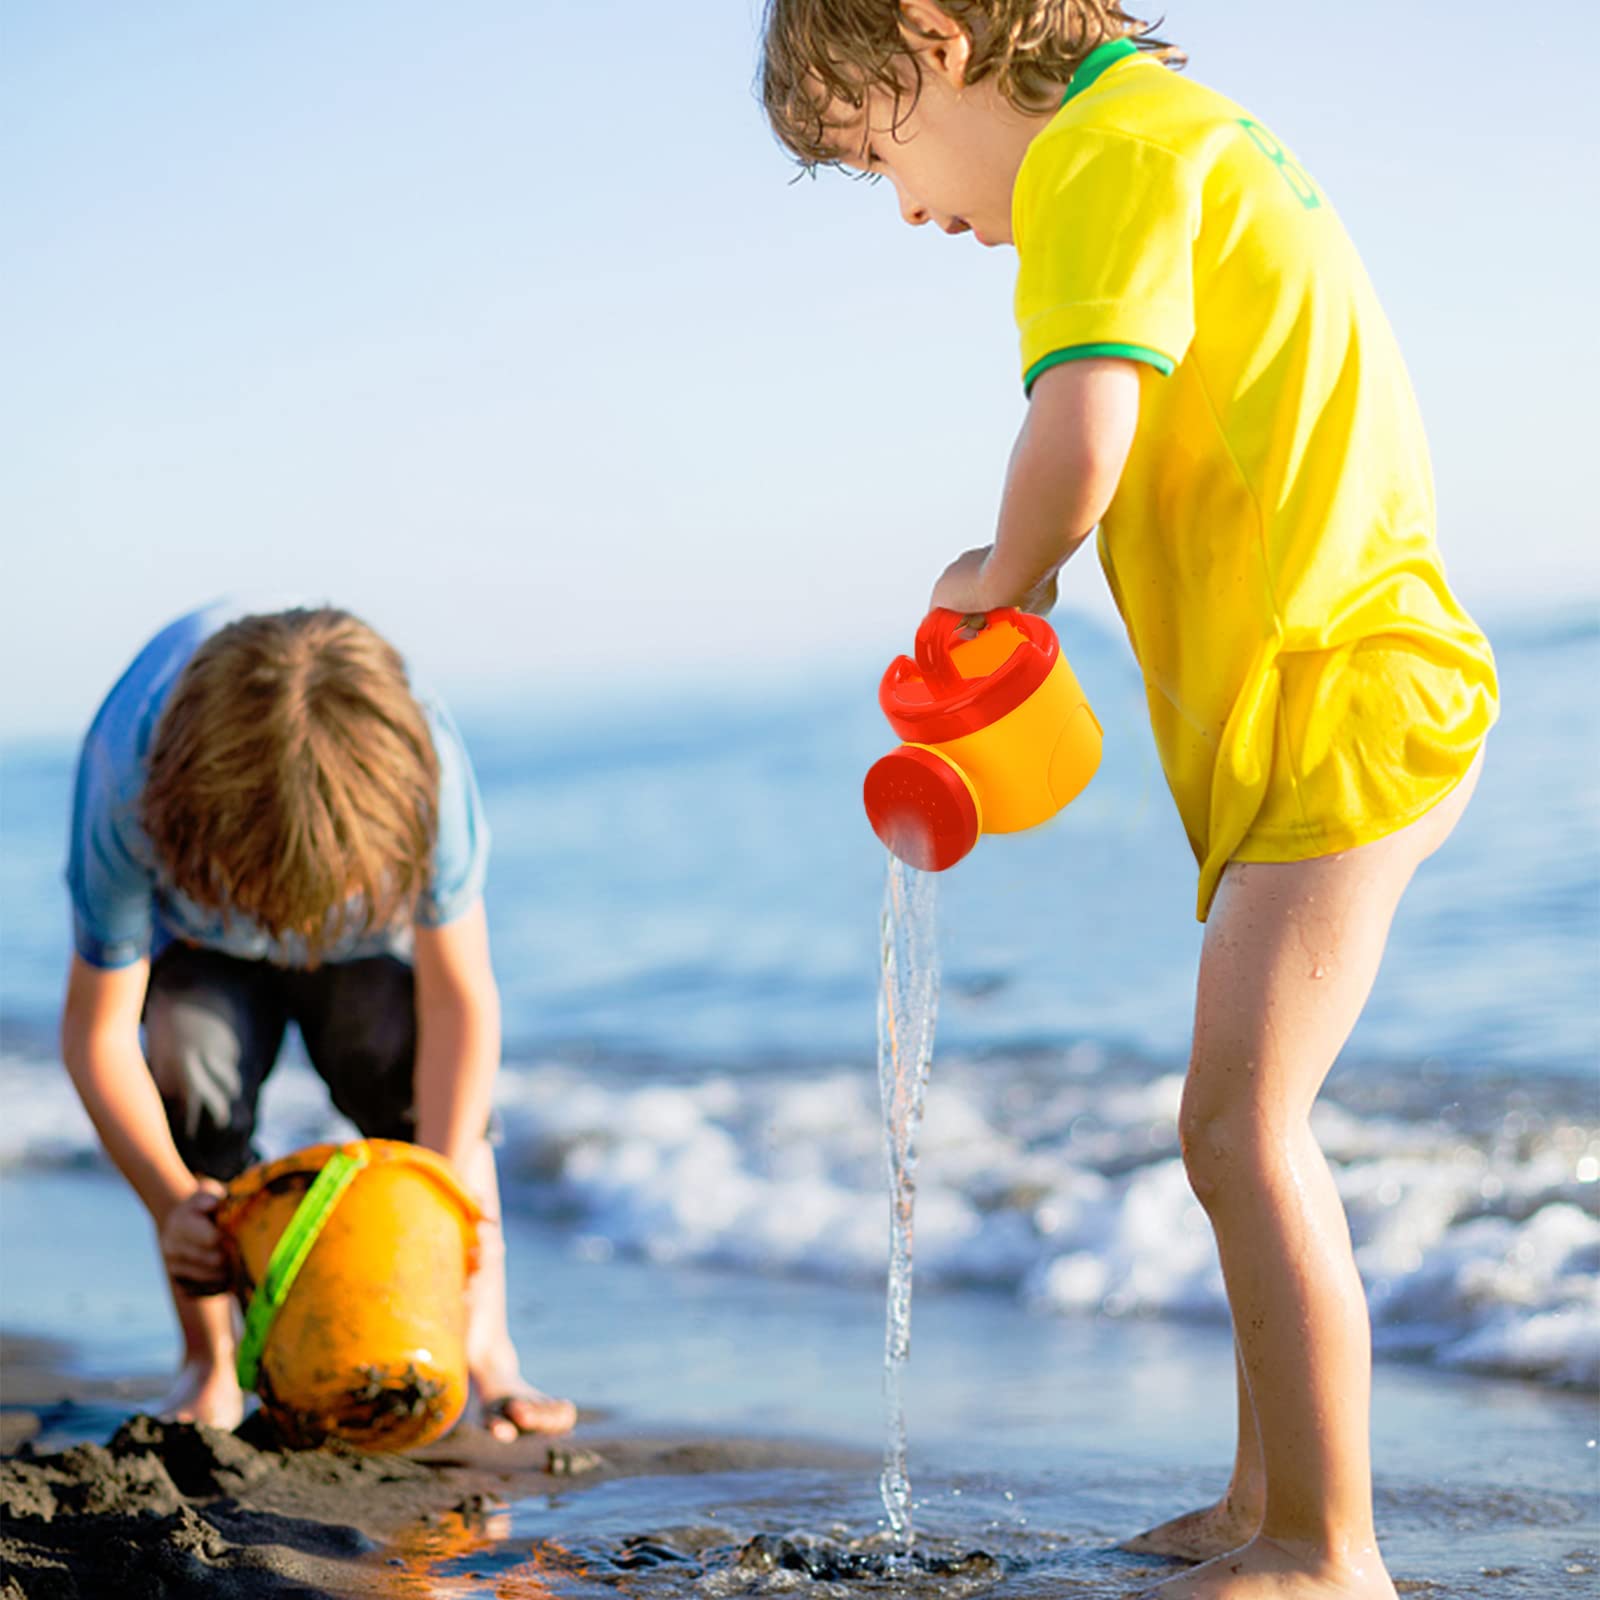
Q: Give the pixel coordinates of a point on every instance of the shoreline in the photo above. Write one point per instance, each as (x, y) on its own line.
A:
(716, 1508)
(178, 1509)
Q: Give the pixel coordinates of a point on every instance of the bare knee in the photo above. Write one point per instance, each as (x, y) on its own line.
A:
(1232, 1149)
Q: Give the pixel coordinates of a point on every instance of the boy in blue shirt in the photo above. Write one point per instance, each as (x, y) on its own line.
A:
(270, 827)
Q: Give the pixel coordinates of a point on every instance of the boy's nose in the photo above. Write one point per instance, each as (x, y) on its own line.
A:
(910, 211)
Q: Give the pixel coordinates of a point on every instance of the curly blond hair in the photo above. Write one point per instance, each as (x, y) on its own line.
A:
(819, 55)
(293, 779)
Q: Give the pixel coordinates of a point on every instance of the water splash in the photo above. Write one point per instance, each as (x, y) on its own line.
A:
(908, 1006)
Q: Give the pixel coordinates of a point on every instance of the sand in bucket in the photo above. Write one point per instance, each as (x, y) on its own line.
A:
(355, 1329)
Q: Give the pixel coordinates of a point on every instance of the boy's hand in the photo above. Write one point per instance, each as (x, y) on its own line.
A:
(191, 1243)
(967, 587)
(962, 587)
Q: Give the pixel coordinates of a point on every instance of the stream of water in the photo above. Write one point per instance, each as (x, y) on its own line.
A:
(908, 1007)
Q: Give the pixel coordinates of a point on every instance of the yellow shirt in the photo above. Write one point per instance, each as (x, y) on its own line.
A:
(1312, 681)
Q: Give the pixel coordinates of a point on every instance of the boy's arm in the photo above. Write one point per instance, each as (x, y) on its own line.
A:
(100, 1046)
(458, 1034)
(1065, 467)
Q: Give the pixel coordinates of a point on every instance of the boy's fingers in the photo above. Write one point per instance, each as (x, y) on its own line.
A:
(203, 1228)
(194, 1260)
(193, 1256)
(206, 1246)
(201, 1243)
(197, 1236)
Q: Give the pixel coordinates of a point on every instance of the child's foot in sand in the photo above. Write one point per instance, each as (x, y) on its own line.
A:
(1200, 1535)
(1266, 1569)
(204, 1391)
(525, 1409)
(511, 1406)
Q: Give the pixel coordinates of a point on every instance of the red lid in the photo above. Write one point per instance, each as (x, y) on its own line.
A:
(922, 808)
(957, 686)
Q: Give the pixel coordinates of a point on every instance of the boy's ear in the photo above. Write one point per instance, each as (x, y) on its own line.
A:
(940, 42)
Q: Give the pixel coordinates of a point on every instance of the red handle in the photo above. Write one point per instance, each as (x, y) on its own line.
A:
(939, 628)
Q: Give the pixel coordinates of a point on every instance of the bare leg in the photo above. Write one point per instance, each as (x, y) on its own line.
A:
(1289, 958)
(205, 1389)
(511, 1404)
(1234, 1519)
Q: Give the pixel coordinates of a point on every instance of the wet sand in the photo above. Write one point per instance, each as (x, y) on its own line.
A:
(176, 1510)
(1490, 1492)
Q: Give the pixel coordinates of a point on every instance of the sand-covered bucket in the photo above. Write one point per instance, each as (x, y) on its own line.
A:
(352, 1264)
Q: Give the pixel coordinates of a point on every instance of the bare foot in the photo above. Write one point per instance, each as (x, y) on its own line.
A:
(1200, 1535)
(511, 1406)
(204, 1391)
(527, 1410)
(1266, 1569)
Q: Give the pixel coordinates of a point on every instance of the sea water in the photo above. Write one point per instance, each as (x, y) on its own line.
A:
(908, 1007)
(693, 1151)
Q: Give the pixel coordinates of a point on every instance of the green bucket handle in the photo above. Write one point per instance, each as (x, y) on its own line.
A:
(289, 1255)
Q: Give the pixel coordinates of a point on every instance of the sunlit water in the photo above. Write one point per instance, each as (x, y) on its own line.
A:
(1039, 1441)
(693, 1157)
(790, 1532)
(908, 1006)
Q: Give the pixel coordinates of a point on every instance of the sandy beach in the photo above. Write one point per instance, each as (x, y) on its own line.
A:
(176, 1510)
(138, 1508)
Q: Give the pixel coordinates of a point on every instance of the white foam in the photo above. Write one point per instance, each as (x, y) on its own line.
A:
(44, 1120)
(1048, 1181)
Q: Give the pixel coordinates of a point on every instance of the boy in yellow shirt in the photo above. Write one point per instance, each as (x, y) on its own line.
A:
(1212, 382)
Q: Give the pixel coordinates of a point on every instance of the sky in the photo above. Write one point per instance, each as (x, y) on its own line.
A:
(504, 325)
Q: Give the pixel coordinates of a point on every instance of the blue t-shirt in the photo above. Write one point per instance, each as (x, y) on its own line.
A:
(124, 907)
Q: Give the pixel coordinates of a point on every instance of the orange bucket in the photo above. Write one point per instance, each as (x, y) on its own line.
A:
(352, 1264)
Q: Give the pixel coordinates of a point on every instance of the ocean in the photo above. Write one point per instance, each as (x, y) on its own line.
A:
(683, 903)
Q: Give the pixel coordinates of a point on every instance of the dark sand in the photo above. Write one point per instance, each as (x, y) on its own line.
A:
(175, 1510)
(162, 1510)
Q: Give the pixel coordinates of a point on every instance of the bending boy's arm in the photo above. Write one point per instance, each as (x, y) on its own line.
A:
(100, 1046)
(1064, 470)
(458, 1034)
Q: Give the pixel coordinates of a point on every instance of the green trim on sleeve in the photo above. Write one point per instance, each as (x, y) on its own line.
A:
(1083, 352)
(1102, 56)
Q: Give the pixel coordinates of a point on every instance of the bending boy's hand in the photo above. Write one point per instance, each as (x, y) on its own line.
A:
(961, 586)
(964, 588)
(191, 1242)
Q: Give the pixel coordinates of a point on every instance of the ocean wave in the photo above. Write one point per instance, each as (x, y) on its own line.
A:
(1055, 1179)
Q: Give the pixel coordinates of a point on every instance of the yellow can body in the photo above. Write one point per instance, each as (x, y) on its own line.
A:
(1036, 759)
(998, 737)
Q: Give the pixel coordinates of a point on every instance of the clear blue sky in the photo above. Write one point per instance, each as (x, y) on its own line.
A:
(500, 323)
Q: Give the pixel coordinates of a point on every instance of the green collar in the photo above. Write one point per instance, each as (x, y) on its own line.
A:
(1096, 62)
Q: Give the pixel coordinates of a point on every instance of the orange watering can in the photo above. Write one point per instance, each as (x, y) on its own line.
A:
(998, 737)
(352, 1263)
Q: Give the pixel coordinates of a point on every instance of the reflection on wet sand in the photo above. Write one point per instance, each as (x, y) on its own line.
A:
(461, 1556)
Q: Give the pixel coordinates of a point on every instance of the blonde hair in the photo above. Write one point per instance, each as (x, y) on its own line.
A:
(819, 54)
(293, 780)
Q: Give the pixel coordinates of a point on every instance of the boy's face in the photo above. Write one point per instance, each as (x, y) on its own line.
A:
(952, 158)
(951, 148)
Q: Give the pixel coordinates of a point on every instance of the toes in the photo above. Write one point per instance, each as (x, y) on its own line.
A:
(542, 1416)
(530, 1413)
